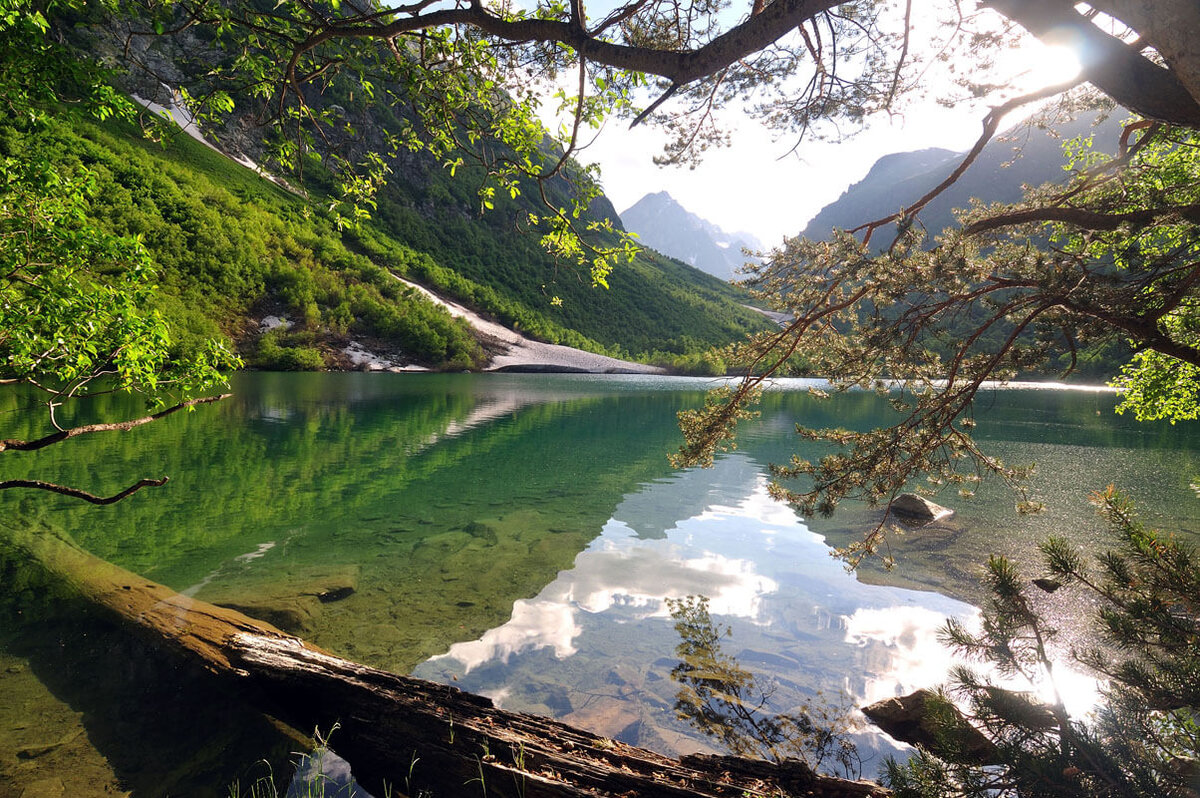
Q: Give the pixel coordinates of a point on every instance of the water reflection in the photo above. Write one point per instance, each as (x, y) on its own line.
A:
(596, 646)
(901, 648)
(723, 700)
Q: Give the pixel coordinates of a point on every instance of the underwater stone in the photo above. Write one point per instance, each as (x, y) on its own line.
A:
(911, 507)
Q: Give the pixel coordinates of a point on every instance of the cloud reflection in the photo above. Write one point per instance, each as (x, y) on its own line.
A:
(630, 577)
(901, 653)
(900, 650)
(619, 575)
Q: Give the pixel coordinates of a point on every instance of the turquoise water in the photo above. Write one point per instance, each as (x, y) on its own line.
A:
(516, 535)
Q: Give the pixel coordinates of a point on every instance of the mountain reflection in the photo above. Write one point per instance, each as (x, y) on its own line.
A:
(594, 647)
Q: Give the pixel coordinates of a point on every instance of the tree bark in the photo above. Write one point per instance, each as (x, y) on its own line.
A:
(1109, 64)
(1170, 26)
(406, 733)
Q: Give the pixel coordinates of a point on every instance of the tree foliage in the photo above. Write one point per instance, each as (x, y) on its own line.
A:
(75, 309)
(1111, 257)
(1142, 739)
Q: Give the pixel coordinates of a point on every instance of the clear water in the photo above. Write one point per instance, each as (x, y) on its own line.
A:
(516, 535)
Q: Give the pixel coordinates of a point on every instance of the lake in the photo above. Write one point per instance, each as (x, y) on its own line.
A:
(515, 535)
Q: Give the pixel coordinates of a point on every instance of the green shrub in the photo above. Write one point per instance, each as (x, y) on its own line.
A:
(277, 351)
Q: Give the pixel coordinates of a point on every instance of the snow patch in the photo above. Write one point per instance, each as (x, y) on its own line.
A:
(181, 116)
(521, 352)
(367, 360)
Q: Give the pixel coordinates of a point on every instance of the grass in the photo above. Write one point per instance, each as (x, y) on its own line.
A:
(318, 784)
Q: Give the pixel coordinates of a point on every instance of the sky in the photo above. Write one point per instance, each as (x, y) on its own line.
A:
(762, 186)
(755, 185)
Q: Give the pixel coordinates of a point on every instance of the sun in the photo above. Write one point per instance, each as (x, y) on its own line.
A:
(1035, 64)
(1052, 63)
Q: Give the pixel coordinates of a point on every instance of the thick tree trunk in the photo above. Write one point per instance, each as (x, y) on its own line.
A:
(1162, 92)
(409, 734)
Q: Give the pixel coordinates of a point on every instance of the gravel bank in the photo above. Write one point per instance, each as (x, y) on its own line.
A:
(515, 352)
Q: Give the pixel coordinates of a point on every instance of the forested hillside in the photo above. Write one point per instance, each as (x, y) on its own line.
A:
(231, 248)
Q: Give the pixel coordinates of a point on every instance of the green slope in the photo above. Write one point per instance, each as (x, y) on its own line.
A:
(232, 247)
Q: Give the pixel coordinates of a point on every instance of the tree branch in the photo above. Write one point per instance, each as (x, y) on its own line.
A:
(1088, 220)
(654, 105)
(753, 35)
(75, 493)
(122, 426)
(991, 123)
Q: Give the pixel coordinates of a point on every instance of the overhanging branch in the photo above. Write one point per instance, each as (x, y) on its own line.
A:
(1085, 219)
(121, 426)
(75, 493)
(756, 33)
(991, 124)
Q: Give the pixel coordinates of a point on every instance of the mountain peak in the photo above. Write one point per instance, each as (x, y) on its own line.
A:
(662, 223)
(656, 199)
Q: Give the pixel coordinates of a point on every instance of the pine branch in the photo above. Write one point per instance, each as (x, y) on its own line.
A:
(1086, 219)
(991, 124)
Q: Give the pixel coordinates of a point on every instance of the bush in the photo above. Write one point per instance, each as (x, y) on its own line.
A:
(279, 352)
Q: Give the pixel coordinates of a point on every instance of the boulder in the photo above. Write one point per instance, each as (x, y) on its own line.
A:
(930, 721)
(1022, 708)
(914, 510)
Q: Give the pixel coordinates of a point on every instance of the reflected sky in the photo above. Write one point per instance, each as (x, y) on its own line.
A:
(596, 646)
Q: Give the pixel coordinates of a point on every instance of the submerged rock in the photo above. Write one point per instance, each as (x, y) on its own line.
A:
(291, 601)
(930, 721)
(914, 510)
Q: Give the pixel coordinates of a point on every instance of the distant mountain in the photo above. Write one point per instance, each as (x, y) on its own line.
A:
(996, 176)
(665, 225)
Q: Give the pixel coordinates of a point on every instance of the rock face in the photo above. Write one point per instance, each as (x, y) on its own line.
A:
(927, 720)
(914, 510)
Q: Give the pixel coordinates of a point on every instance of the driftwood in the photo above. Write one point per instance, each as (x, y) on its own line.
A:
(414, 736)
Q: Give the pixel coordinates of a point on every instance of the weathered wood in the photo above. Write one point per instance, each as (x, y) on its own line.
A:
(407, 733)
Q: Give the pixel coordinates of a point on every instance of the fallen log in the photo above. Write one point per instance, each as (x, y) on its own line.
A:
(405, 734)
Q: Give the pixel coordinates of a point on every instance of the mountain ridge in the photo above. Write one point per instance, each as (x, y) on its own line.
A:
(661, 222)
(899, 179)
